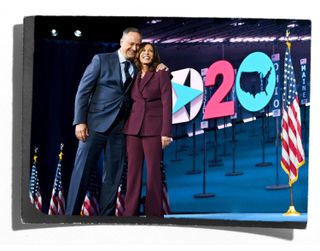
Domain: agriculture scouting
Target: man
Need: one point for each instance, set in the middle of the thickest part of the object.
(102, 105)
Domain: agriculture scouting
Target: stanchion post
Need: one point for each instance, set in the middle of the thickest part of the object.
(194, 170)
(263, 163)
(277, 186)
(204, 125)
(234, 172)
(215, 162)
(176, 158)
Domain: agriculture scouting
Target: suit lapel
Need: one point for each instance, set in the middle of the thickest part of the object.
(135, 72)
(145, 80)
(117, 69)
(136, 86)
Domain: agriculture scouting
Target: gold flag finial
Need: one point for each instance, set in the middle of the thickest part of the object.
(61, 154)
(35, 156)
(287, 39)
(287, 33)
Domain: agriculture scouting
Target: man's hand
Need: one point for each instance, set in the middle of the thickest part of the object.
(162, 67)
(82, 132)
(165, 141)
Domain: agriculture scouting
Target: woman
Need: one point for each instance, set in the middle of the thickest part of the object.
(148, 131)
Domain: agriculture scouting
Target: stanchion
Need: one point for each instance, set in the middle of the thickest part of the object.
(193, 171)
(204, 194)
(215, 161)
(269, 139)
(210, 143)
(253, 131)
(176, 158)
(234, 172)
(225, 154)
(277, 185)
(194, 150)
(263, 163)
(184, 146)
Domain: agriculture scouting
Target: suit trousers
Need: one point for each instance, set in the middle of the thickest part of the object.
(112, 142)
(138, 148)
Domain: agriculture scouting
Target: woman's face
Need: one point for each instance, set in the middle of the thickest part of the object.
(146, 55)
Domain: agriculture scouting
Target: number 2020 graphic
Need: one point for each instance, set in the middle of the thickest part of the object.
(256, 66)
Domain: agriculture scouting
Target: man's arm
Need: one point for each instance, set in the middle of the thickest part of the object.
(161, 67)
(82, 132)
(85, 90)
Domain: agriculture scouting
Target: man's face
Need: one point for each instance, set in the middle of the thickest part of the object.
(129, 45)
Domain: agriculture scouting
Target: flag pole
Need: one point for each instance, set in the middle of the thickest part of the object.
(57, 202)
(291, 211)
(35, 156)
(61, 153)
(34, 187)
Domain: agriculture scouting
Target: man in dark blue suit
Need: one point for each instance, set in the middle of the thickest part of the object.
(102, 105)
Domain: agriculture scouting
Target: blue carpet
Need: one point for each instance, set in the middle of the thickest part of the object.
(244, 196)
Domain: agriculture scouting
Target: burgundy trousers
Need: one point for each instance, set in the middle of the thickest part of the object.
(138, 149)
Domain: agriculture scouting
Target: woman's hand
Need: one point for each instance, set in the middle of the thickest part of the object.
(165, 141)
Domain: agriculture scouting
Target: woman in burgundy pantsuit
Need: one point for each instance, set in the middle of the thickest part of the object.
(148, 131)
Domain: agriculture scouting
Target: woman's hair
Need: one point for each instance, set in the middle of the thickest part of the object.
(156, 58)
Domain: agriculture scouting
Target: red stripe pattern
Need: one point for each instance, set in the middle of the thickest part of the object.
(90, 206)
(57, 202)
(165, 196)
(292, 149)
(165, 200)
(34, 188)
(120, 201)
(122, 191)
(120, 206)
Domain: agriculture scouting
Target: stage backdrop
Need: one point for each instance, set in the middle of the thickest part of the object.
(228, 88)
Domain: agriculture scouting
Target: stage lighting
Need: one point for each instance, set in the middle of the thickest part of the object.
(154, 21)
(78, 33)
(235, 24)
(292, 25)
(54, 32)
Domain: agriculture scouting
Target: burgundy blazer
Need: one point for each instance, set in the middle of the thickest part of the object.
(151, 113)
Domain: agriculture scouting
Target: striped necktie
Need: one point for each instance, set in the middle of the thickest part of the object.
(127, 74)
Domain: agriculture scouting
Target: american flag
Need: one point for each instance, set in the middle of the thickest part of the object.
(122, 191)
(165, 197)
(57, 203)
(120, 200)
(120, 205)
(292, 149)
(34, 187)
(90, 206)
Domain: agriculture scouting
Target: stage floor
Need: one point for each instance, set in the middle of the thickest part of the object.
(265, 220)
(268, 217)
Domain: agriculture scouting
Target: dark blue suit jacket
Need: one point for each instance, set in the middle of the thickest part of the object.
(100, 93)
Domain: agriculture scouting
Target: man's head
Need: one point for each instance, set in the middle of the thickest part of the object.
(130, 42)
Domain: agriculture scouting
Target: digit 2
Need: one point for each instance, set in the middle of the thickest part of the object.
(216, 107)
